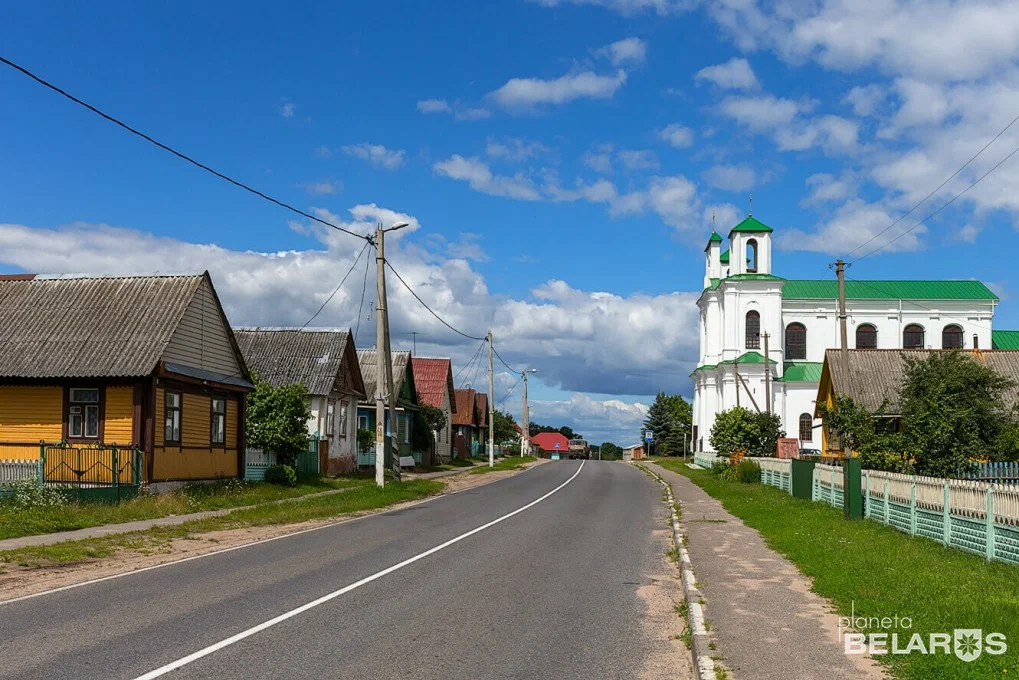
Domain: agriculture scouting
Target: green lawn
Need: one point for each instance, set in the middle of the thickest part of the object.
(15, 522)
(885, 573)
(509, 463)
(360, 498)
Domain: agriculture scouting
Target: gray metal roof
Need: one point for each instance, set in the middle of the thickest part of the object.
(313, 357)
(877, 373)
(89, 327)
(367, 359)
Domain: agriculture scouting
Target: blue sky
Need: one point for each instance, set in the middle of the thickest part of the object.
(559, 160)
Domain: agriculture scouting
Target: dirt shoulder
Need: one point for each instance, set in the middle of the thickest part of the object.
(139, 551)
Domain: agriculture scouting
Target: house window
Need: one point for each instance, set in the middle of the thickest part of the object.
(172, 421)
(951, 337)
(406, 428)
(753, 330)
(330, 414)
(362, 422)
(866, 336)
(343, 418)
(218, 421)
(795, 342)
(83, 413)
(912, 337)
(976, 341)
(751, 256)
(806, 427)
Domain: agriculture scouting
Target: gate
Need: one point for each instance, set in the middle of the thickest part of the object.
(92, 473)
(307, 462)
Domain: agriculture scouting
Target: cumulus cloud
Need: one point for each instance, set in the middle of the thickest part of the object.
(288, 109)
(825, 187)
(480, 177)
(376, 154)
(676, 134)
(637, 159)
(735, 74)
(457, 110)
(627, 7)
(731, 177)
(865, 99)
(434, 106)
(854, 224)
(626, 51)
(325, 187)
(514, 149)
(522, 94)
(782, 119)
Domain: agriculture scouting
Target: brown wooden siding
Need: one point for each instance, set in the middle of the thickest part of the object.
(231, 423)
(202, 339)
(119, 423)
(195, 458)
(30, 413)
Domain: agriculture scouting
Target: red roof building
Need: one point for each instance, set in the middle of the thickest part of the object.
(433, 379)
(546, 441)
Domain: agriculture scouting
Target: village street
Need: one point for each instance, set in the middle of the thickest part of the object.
(576, 585)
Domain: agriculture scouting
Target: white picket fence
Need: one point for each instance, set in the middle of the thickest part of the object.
(256, 463)
(13, 471)
(965, 498)
(706, 460)
(776, 472)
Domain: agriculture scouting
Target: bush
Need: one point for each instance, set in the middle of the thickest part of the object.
(749, 471)
(28, 494)
(283, 475)
(718, 467)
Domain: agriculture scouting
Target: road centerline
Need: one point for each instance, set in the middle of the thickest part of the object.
(222, 644)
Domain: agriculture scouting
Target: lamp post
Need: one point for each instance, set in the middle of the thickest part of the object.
(525, 443)
(383, 362)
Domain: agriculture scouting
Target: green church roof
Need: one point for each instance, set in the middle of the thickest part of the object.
(724, 259)
(887, 290)
(751, 225)
(1005, 339)
(749, 358)
(714, 238)
(801, 371)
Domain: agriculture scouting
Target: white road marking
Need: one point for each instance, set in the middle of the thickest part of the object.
(211, 649)
(170, 563)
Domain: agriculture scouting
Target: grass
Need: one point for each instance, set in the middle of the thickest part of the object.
(510, 463)
(882, 572)
(358, 499)
(16, 522)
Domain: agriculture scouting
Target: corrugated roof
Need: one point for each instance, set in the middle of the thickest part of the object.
(481, 403)
(751, 225)
(714, 238)
(801, 371)
(885, 290)
(724, 258)
(465, 414)
(546, 441)
(369, 367)
(433, 378)
(748, 358)
(877, 373)
(90, 327)
(315, 358)
(1005, 339)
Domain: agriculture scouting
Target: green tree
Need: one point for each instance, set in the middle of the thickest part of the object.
(670, 418)
(276, 419)
(952, 411)
(433, 417)
(610, 451)
(866, 433)
(738, 429)
(505, 427)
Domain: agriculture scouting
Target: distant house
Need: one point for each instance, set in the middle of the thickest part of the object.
(466, 440)
(550, 443)
(147, 362)
(634, 452)
(406, 400)
(481, 404)
(325, 362)
(434, 381)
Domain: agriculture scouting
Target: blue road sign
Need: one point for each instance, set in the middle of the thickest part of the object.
(557, 446)
(649, 435)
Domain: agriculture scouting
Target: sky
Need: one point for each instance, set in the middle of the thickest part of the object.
(559, 163)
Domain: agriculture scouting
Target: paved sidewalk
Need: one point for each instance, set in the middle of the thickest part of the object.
(766, 621)
(140, 525)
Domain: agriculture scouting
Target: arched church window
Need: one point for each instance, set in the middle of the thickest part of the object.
(751, 256)
(806, 427)
(951, 337)
(753, 330)
(912, 337)
(795, 342)
(866, 336)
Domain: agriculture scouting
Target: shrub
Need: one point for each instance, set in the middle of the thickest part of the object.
(28, 494)
(749, 471)
(718, 467)
(283, 475)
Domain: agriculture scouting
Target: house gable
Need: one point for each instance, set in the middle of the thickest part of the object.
(203, 339)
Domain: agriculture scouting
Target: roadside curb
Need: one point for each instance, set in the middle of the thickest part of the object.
(700, 640)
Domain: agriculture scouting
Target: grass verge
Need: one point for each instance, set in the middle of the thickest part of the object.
(880, 572)
(504, 464)
(359, 499)
(16, 522)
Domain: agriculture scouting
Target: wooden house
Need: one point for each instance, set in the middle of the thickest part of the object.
(146, 362)
(466, 441)
(325, 362)
(434, 381)
(406, 401)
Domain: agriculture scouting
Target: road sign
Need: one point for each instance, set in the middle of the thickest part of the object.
(649, 435)
(557, 446)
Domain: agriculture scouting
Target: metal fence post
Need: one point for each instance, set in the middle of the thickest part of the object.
(116, 472)
(912, 510)
(990, 523)
(947, 517)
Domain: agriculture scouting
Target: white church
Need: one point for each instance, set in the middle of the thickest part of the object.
(744, 306)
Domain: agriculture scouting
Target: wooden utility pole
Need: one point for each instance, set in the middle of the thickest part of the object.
(394, 429)
(735, 369)
(525, 434)
(491, 405)
(381, 358)
(840, 272)
(767, 377)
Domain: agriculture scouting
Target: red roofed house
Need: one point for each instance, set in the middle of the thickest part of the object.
(465, 425)
(433, 379)
(546, 443)
(481, 404)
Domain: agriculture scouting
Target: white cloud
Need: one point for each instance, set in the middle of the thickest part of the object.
(854, 224)
(514, 149)
(637, 159)
(598, 420)
(967, 233)
(323, 187)
(626, 51)
(472, 113)
(288, 109)
(760, 113)
(731, 177)
(677, 135)
(734, 74)
(599, 159)
(825, 187)
(865, 99)
(377, 155)
(457, 110)
(661, 7)
(323, 151)
(793, 132)
(526, 93)
(723, 216)
(479, 176)
(434, 106)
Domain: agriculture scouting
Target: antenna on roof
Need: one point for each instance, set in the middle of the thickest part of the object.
(751, 213)
(712, 220)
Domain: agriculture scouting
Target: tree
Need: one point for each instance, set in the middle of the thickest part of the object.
(565, 431)
(505, 427)
(738, 429)
(670, 418)
(866, 433)
(952, 411)
(433, 417)
(610, 451)
(276, 419)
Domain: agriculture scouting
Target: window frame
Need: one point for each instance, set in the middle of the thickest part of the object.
(808, 420)
(873, 329)
(344, 408)
(100, 411)
(752, 246)
(213, 415)
(179, 392)
(363, 417)
(923, 336)
(957, 331)
(751, 342)
(330, 415)
(787, 347)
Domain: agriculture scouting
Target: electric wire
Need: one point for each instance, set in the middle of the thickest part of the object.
(337, 289)
(360, 307)
(425, 305)
(508, 393)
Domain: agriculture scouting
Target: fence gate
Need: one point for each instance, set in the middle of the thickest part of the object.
(100, 473)
(307, 462)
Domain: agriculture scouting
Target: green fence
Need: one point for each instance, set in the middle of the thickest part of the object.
(92, 473)
(306, 462)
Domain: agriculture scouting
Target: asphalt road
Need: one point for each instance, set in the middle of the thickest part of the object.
(550, 592)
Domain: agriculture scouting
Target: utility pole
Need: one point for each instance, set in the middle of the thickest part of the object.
(491, 406)
(735, 369)
(394, 430)
(383, 362)
(415, 336)
(525, 435)
(840, 272)
(767, 377)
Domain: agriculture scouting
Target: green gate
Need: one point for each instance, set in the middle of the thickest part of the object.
(92, 473)
(306, 463)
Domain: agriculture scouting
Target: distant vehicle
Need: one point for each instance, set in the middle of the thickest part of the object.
(579, 449)
(810, 453)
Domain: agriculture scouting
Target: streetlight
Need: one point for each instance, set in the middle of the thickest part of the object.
(525, 446)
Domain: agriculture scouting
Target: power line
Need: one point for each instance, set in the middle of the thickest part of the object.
(508, 393)
(176, 153)
(418, 298)
(364, 284)
(940, 187)
(950, 202)
(337, 289)
(511, 369)
(475, 357)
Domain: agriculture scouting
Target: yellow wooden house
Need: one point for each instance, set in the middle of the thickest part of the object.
(146, 362)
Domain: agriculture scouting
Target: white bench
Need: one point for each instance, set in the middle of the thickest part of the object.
(407, 461)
